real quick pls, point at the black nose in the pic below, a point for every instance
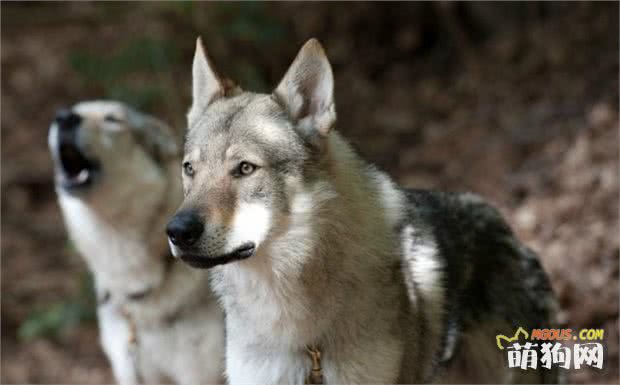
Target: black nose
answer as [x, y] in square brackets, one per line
[67, 119]
[185, 228]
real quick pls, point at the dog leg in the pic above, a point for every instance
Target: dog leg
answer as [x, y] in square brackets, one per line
[114, 335]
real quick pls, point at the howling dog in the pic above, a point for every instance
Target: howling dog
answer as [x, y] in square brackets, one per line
[327, 270]
[117, 180]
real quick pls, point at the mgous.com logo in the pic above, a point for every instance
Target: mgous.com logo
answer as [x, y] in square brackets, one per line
[571, 349]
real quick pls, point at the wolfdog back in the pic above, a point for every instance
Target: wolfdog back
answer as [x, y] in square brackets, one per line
[471, 280]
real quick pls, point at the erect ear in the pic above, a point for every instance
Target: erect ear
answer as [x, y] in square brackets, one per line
[157, 138]
[307, 90]
[206, 85]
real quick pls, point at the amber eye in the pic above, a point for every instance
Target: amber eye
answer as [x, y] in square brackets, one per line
[245, 168]
[188, 169]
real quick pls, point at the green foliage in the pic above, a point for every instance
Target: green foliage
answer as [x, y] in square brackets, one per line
[116, 73]
[250, 25]
[61, 316]
[251, 22]
[138, 55]
[143, 97]
[138, 72]
[182, 8]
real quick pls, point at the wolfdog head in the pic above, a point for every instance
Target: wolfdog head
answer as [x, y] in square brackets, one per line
[116, 177]
[104, 151]
[247, 156]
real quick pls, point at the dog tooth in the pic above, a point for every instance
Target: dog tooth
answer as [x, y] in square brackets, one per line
[82, 176]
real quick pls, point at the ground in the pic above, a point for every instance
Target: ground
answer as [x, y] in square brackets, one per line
[526, 115]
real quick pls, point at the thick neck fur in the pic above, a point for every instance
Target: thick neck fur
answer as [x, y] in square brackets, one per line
[310, 283]
[120, 235]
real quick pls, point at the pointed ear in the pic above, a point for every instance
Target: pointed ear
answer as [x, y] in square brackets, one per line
[206, 85]
[307, 90]
[158, 139]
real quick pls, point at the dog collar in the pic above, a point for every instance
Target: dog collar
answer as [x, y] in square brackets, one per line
[132, 344]
[316, 372]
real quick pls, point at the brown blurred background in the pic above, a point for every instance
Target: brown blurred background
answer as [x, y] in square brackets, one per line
[515, 101]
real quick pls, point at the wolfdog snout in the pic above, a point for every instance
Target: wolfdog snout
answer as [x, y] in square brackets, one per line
[67, 122]
[67, 119]
[185, 228]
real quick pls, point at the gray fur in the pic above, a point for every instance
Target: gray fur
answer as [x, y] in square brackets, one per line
[391, 285]
[116, 222]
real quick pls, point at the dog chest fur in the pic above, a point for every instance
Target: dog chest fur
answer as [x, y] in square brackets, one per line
[317, 282]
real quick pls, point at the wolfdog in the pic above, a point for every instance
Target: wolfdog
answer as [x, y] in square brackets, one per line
[327, 270]
[116, 174]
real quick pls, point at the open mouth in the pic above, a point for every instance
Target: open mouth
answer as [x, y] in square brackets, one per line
[76, 169]
[206, 262]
